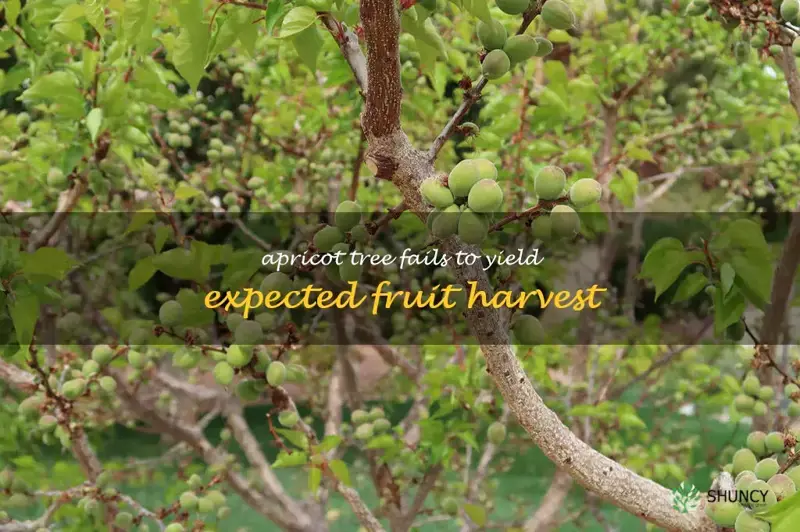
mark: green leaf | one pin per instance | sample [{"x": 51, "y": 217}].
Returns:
[
  {"x": 47, "y": 262},
  {"x": 139, "y": 221},
  {"x": 664, "y": 263},
  {"x": 133, "y": 19},
  {"x": 293, "y": 459},
  {"x": 71, "y": 13},
  {"x": 298, "y": 19},
  {"x": 384, "y": 441},
  {"x": 479, "y": 8},
  {"x": 728, "y": 309},
  {"x": 12, "y": 9},
  {"x": 24, "y": 312},
  {"x": 181, "y": 263},
  {"x": 314, "y": 479},
  {"x": 624, "y": 186},
  {"x": 186, "y": 191},
  {"x": 296, "y": 437},
  {"x": 95, "y": 14},
  {"x": 241, "y": 267},
  {"x": 275, "y": 10},
  {"x": 162, "y": 234},
  {"x": 754, "y": 277},
  {"x": 784, "y": 516},
  {"x": 691, "y": 286},
  {"x": 141, "y": 272},
  {"x": 726, "y": 276},
  {"x": 477, "y": 514},
  {"x": 330, "y": 443},
  {"x": 340, "y": 471},
  {"x": 93, "y": 122},
  {"x": 308, "y": 44}
]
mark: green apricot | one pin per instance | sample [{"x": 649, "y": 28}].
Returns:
[
  {"x": 794, "y": 474},
  {"x": 493, "y": 35},
  {"x": 381, "y": 425},
  {"x": 376, "y": 413},
  {"x": 747, "y": 522},
  {"x": 760, "y": 408},
  {"x": 276, "y": 373},
  {"x": 249, "y": 333},
  {"x": 348, "y": 215},
  {"x": 364, "y": 432},
  {"x": 288, "y": 418},
  {"x": 170, "y": 314},
  {"x": 73, "y": 389},
  {"x": 102, "y": 354},
  {"x": 350, "y": 272},
  {"x": 107, "y": 384},
  {"x": 744, "y": 403},
  {"x": 359, "y": 234},
  {"x": 565, "y": 221},
  {"x": 472, "y": 227},
  {"x": 485, "y": 196},
  {"x": 175, "y": 527},
  {"x": 744, "y": 460},
  {"x": 446, "y": 223},
  {"x": 327, "y": 237},
  {"x": 450, "y": 506},
  {"x": 47, "y": 422},
  {"x": 238, "y": 357},
  {"x": 542, "y": 228},
  {"x": 793, "y": 409},
  {"x": 90, "y": 367},
  {"x": 558, "y": 15},
  {"x": 436, "y": 193},
  {"x": 188, "y": 501},
  {"x": 549, "y": 183},
  {"x": 782, "y": 485},
  {"x": 744, "y": 479},
  {"x": 789, "y": 10},
  {"x": 528, "y": 330},
  {"x": 495, "y": 64},
  {"x": 735, "y": 331},
  {"x": 19, "y": 500},
  {"x": 29, "y": 407},
  {"x": 359, "y": 416},
  {"x": 276, "y": 282},
  {"x": 543, "y": 46},
  {"x": 774, "y": 442},
  {"x": 496, "y": 433},
  {"x": 724, "y": 513},
  {"x": 136, "y": 359},
  {"x": 756, "y": 440},
  {"x": 223, "y": 373},
  {"x": 520, "y": 48},
  {"x": 756, "y": 490},
  {"x": 463, "y": 176},
  {"x": 56, "y": 178},
  {"x": 124, "y": 520},
  {"x": 790, "y": 389},
  {"x": 766, "y": 468},
  {"x": 513, "y": 7},
  {"x": 765, "y": 393},
  {"x": 751, "y": 385},
  {"x": 585, "y": 192}
]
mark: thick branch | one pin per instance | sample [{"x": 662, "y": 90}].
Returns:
[
  {"x": 348, "y": 44},
  {"x": 381, "y": 23},
  {"x": 782, "y": 284}
]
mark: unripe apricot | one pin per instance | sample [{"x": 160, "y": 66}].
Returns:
[
  {"x": 774, "y": 442},
  {"x": 74, "y": 388},
  {"x": 238, "y": 357},
  {"x": 175, "y": 527},
  {"x": 136, "y": 359},
  {"x": 751, "y": 385},
  {"x": 102, "y": 354},
  {"x": 170, "y": 314},
  {"x": 472, "y": 227},
  {"x": 493, "y": 35},
  {"x": 107, "y": 384},
  {"x": 359, "y": 416},
  {"x": 485, "y": 196},
  {"x": 528, "y": 330},
  {"x": 744, "y": 403},
  {"x": 359, "y": 234},
  {"x": 436, "y": 193},
  {"x": 223, "y": 373},
  {"x": 381, "y": 425},
  {"x": 756, "y": 492},
  {"x": 520, "y": 48},
  {"x": 746, "y": 521},
  {"x": 249, "y": 333},
  {"x": 585, "y": 192},
  {"x": 782, "y": 485},
  {"x": 558, "y": 15},
  {"x": 463, "y": 176},
  {"x": 542, "y": 228},
  {"x": 766, "y": 468},
  {"x": 364, "y": 432},
  {"x": 565, "y": 221},
  {"x": 497, "y": 433},
  {"x": 450, "y": 505},
  {"x": 513, "y": 7},
  {"x": 327, "y": 237},
  {"x": 350, "y": 272},
  {"x": 446, "y": 223},
  {"x": 789, "y": 10},
  {"x": 744, "y": 460},
  {"x": 724, "y": 513},
  {"x": 276, "y": 282},
  {"x": 495, "y": 64},
  {"x": 29, "y": 407},
  {"x": 543, "y": 46},
  {"x": 756, "y": 440},
  {"x": 296, "y": 373},
  {"x": 549, "y": 183},
  {"x": 348, "y": 215},
  {"x": 276, "y": 373},
  {"x": 188, "y": 500}
]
